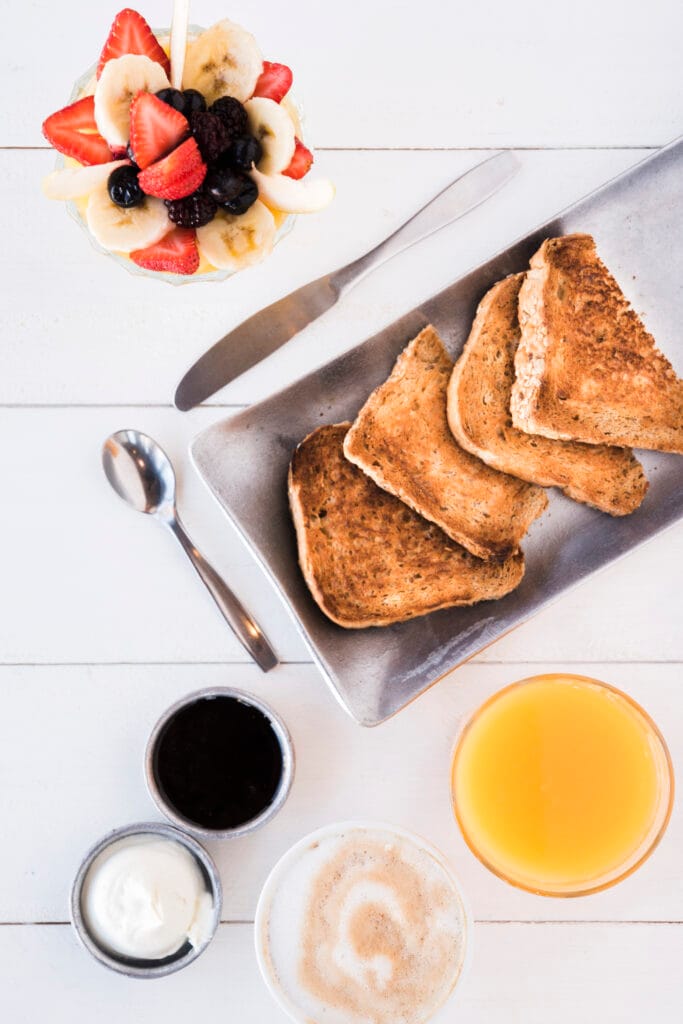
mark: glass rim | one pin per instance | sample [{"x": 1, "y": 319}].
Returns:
[{"x": 654, "y": 834}]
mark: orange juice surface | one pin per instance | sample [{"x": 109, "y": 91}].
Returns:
[{"x": 560, "y": 783}]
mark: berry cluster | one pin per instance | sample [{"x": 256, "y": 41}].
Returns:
[{"x": 211, "y": 152}]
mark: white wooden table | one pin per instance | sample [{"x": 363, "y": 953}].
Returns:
[{"x": 102, "y": 623}]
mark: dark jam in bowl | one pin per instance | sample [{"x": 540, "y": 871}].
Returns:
[{"x": 218, "y": 762}]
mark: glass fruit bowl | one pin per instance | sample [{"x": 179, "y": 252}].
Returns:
[
  {"x": 190, "y": 183},
  {"x": 284, "y": 222}
]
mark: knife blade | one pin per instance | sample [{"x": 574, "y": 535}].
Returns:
[{"x": 266, "y": 331}]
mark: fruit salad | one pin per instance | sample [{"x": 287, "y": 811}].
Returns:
[{"x": 184, "y": 152}]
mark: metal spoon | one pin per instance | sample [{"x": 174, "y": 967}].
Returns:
[{"x": 141, "y": 473}]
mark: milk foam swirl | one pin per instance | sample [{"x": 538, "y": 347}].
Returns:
[{"x": 379, "y": 930}]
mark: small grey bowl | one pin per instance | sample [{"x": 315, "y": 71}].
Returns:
[
  {"x": 135, "y": 968},
  {"x": 281, "y": 794}
]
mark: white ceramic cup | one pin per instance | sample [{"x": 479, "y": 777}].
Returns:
[{"x": 278, "y": 875}]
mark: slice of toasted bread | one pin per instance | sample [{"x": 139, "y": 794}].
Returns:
[
  {"x": 609, "y": 478},
  {"x": 367, "y": 558},
  {"x": 402, "y": 440},
  {"x": 586, "y": 369}
]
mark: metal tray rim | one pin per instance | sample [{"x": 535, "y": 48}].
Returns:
[{"x": 276, "y": 398}]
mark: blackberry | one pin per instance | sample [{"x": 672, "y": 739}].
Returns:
[
  {"x": 234, "y": 191},
  {"x": 232, "y": 114},
  {"x": 194, "y": 102},
  {"x": 124, "y": 187},
  {"x": 193, "y": 211},
  {"x": 211, "y": 135},
  {"x": 243, "y": 151}
]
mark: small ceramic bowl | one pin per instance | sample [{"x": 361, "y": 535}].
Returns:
[
  {"x": 179, "y": 820},
  {"x": 135, "y": 968}
]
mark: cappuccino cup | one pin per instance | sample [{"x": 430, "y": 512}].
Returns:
[{"x": 361, "y": 923}]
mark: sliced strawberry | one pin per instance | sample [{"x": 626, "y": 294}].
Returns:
[
  {"x": 73, "y": 132},
  {"x": 300, "y": 163},
  {"x": 176, "y": 253},
  {"x": 274, "y": 82},
  {"x": 130, "y": 33},
  {"x": 179, "y": 174},
  {"x": 79, "y": 115},
  {"x": 155, "y": 128}
]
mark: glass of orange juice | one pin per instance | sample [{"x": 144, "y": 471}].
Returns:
[{"x": 561, "y": 785}]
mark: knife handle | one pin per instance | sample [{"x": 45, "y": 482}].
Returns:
[{"x": 462, "y": 195}]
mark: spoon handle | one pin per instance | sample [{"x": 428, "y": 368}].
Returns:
[{"x": 238, "y": 618}]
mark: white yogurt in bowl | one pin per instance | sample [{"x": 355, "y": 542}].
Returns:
[{"x": 146, "y": 900}]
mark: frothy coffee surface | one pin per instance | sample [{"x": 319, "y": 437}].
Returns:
[{"x": 364, "y": 925}]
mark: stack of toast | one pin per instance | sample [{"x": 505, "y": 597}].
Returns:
[{"x": 423, "y": 501}]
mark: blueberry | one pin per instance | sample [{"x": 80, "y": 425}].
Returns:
[
  {"x": 247, "y": 196},
  {"x": 173, "y": 97},
  {"x": 223, "y": 184},
  {"x": 124, "y": 187},
  {"x": 243, "y": 152},
  {"x": 194, "y": 102},
  {"x": 234, "y": 191}
]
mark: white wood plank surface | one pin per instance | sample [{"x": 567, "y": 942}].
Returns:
[
  {"x": 103, "y": 625},
  {"x": 388, "y": 73},
  {"x": 72, "y": 748},
  {"x": 558, "y": 973}
]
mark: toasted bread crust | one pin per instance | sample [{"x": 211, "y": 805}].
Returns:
[
  {"x": 586, "y": 369},
  {"x": 611, "y": 479},
  {"x": 402, "y": 440},
  {"x": 367, "y": 558}
]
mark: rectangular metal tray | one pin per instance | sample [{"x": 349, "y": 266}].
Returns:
[{"x": 637, "y": 221}]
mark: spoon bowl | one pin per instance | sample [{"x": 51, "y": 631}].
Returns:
[{"x": 140, "y": 471}]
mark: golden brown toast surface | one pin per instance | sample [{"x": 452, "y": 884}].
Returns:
[
  {"x": 586, "y": 369},
  {"x": 401, "y": 439},
  {"x": 608, "y": 478},
  {"x": 367, "y": 558}
]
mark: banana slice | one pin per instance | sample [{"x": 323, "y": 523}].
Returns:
[
  {"x": 274, "y": 128},
  {"x": 234, "y": 242},
  {"x": 124, "y": 230},
  {"x": 290, "y": 106},
  {"x": 74, "y": 182},
  {"x": 305, "y": 195},
  {"x": 223, "y": 61},
  {"x": 121, "y": 79}
]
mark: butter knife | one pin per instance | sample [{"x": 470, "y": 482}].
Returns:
[{"x": 273, "y": 326}]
